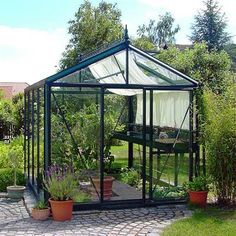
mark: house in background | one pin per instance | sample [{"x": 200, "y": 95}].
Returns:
[{"x": 12, "y": 88}]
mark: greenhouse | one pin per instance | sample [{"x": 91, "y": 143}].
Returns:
[{"x": 123, "y": 120}]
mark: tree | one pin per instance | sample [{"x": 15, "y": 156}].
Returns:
[
  {"x": 211, "y": 69},
  {"x": 144, "y": 43},
  {"x": 160, "y": 32},
  {"x": 91, "y": 28},
  {"x": 210, "y": 26}
]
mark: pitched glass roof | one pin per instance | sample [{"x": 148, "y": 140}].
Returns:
[{"x": 110, "y": 67}]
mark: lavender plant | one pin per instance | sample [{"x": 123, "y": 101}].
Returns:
[{"x": 60, "y": 182}]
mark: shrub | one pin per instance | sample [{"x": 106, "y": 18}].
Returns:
[
  {"x": 3, "y": 155},
  {"x": 169, "y": 192},
  {"x": 130, "y": 176},
  {"x": 16, "y": 143},
  {"x": 199, "y": 183},
  {"x": 220, "y": 140},
  {"x": 7, "y": 178}
]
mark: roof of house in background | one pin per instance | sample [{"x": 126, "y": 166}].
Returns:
[{"x": 12, "y": 88}]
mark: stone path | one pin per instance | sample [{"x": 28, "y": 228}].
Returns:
[{"x": 15, "y": 220}]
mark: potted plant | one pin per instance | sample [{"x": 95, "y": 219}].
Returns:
[
  {"x": 40, "y": 211},
  {"x": 107, "y": 186},
  {"x": 198, "y": 190},
  {"x": 15, "y": 192},
  {"x": 61, "y": 184}
]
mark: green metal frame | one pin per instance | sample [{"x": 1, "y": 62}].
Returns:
[{"x": 54, "y": 82}]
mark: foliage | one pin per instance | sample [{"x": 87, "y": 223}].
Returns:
[
  {"x": 130, "y": 176},
  {"x": 87, "y": 133},
  {"x": 3, "y": 155},
  {"x": 220, "y": 139},
  {"x": 12, "y": 113},
  {"x": 207, "y": 222},
  {"x": 18, "y": 113},
  {"x": 159, "y": 32},
  {"x": 210, "y": 26},
  {"x": 211, "y": 69},
  {"x": 169, "y": 192},
  {"x": 62, "y": 148},
  {"x": 16, "y": 143},
  {"x": 7, "y": 178},
  {"x": 15, "y": 158},
  {"x": 40, "y": 205},
  {"x": 199, "y": 183},
  {"x": 81, "y": 197},
  {"x": 60, "y": 182},
  {"x": 91, "y": 28},
  {"x": 144, "y": 43}
]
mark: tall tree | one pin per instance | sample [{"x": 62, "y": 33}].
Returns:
[
  {"x": 160, "y": 32},
  {"x": 91, "y": 28},
  {"x": 210, "y": 26}
]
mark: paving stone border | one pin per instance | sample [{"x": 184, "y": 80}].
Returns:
[{"x": 15, "y": 220}]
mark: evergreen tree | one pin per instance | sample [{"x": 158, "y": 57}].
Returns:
[
  {"x": 210, "y": 26},
  {"x": 91, "y": 28}
]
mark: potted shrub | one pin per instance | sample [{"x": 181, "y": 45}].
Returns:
[
  {"x": 61, "y": 184},
  {"x": 198, "y": 190},
  {"x": 15, "y": 192},
  {"x": 40, "y": 211}
]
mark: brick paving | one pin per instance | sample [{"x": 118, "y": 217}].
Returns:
[{"x": 15, "y": 220}]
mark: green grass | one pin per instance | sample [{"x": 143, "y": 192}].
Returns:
[
  {"x": 121, "y": 160},
  {"x": 209, "y": 222}
]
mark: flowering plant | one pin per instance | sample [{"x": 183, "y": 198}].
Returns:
[{"x": 60, "y": 182}]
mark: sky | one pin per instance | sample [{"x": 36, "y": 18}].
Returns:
[{"x": 34, "y": 33}]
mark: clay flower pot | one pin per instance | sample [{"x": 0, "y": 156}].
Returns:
[
  {"x": 198, "y": 198},
  {"x": 107, "y": 186},
  {"x": 61, "y": 210},
  {"x": 40, "y": 214}
]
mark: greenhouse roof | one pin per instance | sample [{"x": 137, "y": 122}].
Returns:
[{"x": 120, "y": 65}]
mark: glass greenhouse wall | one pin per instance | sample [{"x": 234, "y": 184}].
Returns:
[{"x": 123, "y": 120}]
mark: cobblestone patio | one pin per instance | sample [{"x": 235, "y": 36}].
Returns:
[{"x": 15, "y": 220}]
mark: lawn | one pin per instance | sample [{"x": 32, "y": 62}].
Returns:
[
  {"x": 121, "y": 160},
  {"x": 210, "y": 222}
]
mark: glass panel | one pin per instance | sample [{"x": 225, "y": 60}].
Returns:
[
  {"x": 122, "y": 179},
  {"x": 167, "y": 138},
  {"x": 152, "y": 73},
  {"x": 76, "y": 137},
  {"x": 109, "y": 70}
]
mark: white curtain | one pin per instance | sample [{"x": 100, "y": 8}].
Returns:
[{"x": 169, "y": 108}]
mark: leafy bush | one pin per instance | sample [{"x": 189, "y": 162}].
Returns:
[
  {"x": 169, "y": 192},
  {"x": 3, "y": 155},
  {"x": 199, "y": 183},
  {"x": 130, "y": 176},
  {"x": 7, "y": 178},
  {"x": 220, "y": 139},
  {"x": 16, "y": 143}
]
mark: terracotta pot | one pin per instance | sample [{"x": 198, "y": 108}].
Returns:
[
  {"x": 61, "y": 210},
  {"x": 198, "y": 198},
  {"x": 40, "y": 214},
  {"x": 107, "y": 186},
  {"x": 15, "y": 192}
]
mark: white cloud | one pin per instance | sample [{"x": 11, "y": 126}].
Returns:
[{"x": 29, "y": 55}]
